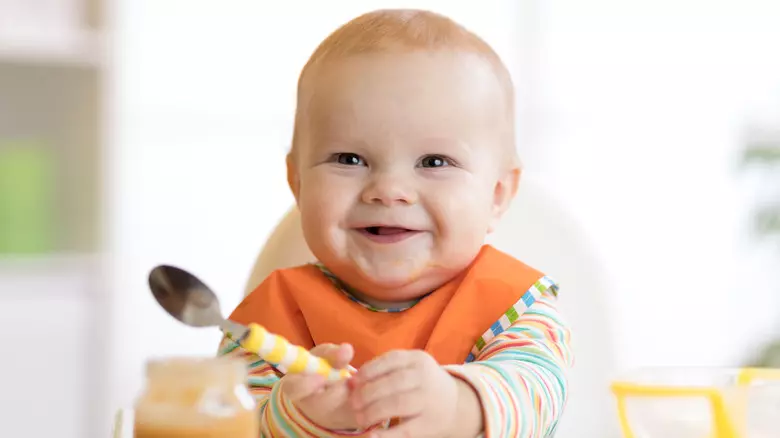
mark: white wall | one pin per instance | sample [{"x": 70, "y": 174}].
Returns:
[
  {"x": 644, "y": 103},
  {"x": 202, "y": 114}
]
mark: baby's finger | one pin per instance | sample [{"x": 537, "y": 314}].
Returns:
[
  {"x": 402, "y": 380},
  {"x": 299, "y": 386},
  {"x": 333, "y": 394},
  {"x": 398, "y": 405},
  {"x": 343, "y": 356},
  {"x": 412, "y": 427},
  {"x": 338, "y": 356},
  {"x": 323, "y": 350},
  {"x": 385, "y": 364}
]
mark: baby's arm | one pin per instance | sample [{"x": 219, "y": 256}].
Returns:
[
  {"x": 520, "y": 375},
  {"x": 278, "y": 417}
]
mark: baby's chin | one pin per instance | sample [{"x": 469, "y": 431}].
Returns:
[
  {"x": 389, "y": 293},
  {"x": 392, "y": 273},
  {"x": 399, "y": 283}
]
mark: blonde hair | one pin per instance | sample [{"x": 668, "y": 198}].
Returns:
[{"x": 389, "y": 30}]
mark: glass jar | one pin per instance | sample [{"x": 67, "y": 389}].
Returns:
[{"x": 196, "y": 398}]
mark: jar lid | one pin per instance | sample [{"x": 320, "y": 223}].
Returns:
[{"x": 207, "y": 370}]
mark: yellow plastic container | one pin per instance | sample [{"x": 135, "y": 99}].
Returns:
[{"x": 699, "y": 403}]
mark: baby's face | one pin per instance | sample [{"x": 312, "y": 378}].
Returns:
[{"x": 398, "y": 166}]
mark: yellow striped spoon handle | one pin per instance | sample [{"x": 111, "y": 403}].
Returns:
[{"x": 286, "y": 357}]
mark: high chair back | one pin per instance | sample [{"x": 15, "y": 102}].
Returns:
[{"x": 538, "y": 230}]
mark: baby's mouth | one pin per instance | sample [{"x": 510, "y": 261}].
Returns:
[
  {"x": 386, "y": 231},
  {"x": 383, "y": 234}
]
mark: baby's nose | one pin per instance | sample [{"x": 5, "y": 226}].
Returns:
[{"x": 389, "y": 190}]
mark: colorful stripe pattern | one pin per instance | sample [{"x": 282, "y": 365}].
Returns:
[
  {"x": 518, "y": 368},
  {"x": 544, "y": 285},
  {"x": 340, "y": 285}
]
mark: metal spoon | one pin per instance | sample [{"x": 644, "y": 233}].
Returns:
[{"x": 189, "y": 300}]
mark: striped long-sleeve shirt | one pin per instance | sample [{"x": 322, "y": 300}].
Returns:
[{"x": 518, "y": 372}]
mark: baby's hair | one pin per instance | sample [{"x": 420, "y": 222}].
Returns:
[{"x": 401, "y": 30}]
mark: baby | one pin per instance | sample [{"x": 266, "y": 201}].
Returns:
[{"x": 403, "y": 160}]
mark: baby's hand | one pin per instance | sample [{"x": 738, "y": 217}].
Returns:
[
  {"x": 410, "y": 386},
  {"x": 324, "y": 403}
]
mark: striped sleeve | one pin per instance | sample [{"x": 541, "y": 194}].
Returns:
[
  {"x": 520, "y": 374},
  {"x": 279, "y": 418}
]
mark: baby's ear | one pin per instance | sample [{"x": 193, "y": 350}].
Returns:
[
  {"x": 504, "y": 193},
  {"x": 293, "y": 180}
]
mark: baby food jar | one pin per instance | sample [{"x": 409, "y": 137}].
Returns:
[{"x": 196, "y": 398}]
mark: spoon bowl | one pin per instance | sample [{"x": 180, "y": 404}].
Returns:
[{"x": 185, "y": 297}]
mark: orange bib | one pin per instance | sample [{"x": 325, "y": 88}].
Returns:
[{"x": 304, "y": 306}]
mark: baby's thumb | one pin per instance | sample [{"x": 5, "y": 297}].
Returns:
[
  {"x": 297, "y": 387},
  {"x": 338, "y": 356}
]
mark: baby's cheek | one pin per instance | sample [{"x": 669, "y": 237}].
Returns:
[
  {"x": 319, "y": 206},
  {"x": 458, "y": 222},
  {"x": 462, "y": 238}
]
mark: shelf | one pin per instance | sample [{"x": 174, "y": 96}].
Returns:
[
  {"x": 57, "y": 114},
  {"x": 81, "y": 49}
]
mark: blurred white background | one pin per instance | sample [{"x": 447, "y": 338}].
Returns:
[{"x": 159, "y": 129}]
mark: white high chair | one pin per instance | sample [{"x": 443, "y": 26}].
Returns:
[{"x": 538, "y": 230}]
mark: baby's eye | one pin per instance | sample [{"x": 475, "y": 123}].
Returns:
[
  {"x": 435, "y": 161},
  {"x": 349, "y": 159}
]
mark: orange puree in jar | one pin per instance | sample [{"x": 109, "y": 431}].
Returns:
[{"x": 196, "y": 398}]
